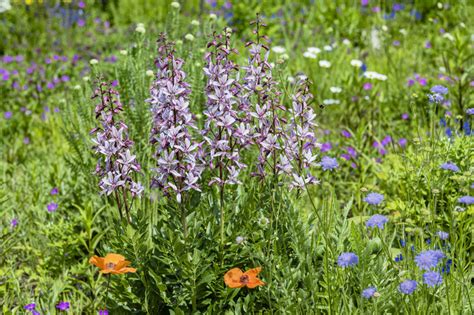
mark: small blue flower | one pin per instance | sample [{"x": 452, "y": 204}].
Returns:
[
  {"x": 428, "y": 259},
  {"x": 398, "y": 258},
  {"x": 374, "y": 198},
  {"x": 467, "y": 200},
  {"x": 377, "y": 220},
  {"x": 449, "y": 167},
  {"x": 347, "y": 260},
  {"x": 435, "y": 98},
  {"x": 428, "y": 241},
  {"x": 470, "y": 111},
  {"x": 369, "y": 292},
  {"x": 329, "y": 163},
  {"x": 439, "y": 89},
  {"x": 30, "y": 307},
  {"x": 442, "y": 235},
  {"x": 449, "y": 132},
  {"x": 408, "y": 286},
  {"x": 432, "y": 278}
]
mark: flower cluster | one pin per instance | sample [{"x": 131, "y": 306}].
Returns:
[
  {"x": 225, "y": 133},
  {"x": 347, "y": 260},
  {"x": 376, "y": 220},
  {"x": 177, "y": 153},
  {"x": 437, "y": 94},
  {"x": 117, "y": 165},
  {"x": 429, "y": 259}
]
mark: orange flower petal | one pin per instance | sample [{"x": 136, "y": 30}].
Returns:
[
  {"x": 122, "y": 264},
  {"x": 97, "y": 261},
  {"x": 253, "y": 272},
  {"x": 113, "y": 258},
  {"x": 254, "y": 282},
  {"x": 232, "y": 278}
]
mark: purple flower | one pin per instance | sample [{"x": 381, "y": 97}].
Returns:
[
  {"x": 377, "y": 220},
  {"x": 178, "y": 156},
  {"x": 435, "y": 98},
  {"x": 407, "y": 286},
  {"x": 26, "y": 140},
  {"x": 326, "y": 146},
  {"x": 428, "y": 44},
  {"x": 117, "y": 164},
  {"x": 442, "y": 235},
  {"x": 13, "y": 222},
  {"x": 386, "y": 140},
  {"x": 8, "y": 115},
  {"x": 63, "y": 306},
  {"x": 450, "y": 167},
  {"x": 367, "y": 86},
  {"x": 347, "y": 260},
  {"x": 396, "y": 43},
  {"x": 402, "y": 142},
  {"x": 329, "y": 163},
  {"x": 30, "y": 307},
  {"x": 422, "y": 81},
  {"x": 81, "y": 22},
  {"x": 103, "y": 312},
  {"x": 432, "y": 278},
  {"x": 52, "y": 207},
  {"x": 428, "y": 259},
  {"x": 54, "y": 191},
  {"x": 439, "y": 89},
  {"x": 346, "y": 134},
  {"x": 81, "y": 4},
  {"x": 374, "y": 198},
  {"x": 470, "y": 111},
  {"x": 467, "y": 200},
  {"x": 369, "y": 292},
  {"x": 405, "y": 116},
  {"x": 364, "y": 2}
]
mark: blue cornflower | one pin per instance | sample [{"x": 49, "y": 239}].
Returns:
[
  {"x": 439, "y": 89},
  {"x": 435, "y": 98},
  {"x": 52, "y": 207},
  {"x": 470, "y": 111},
  {"x": 369, "y": 292},
  {"x": 428, "y": 241},
  {"x": 347, "y": 260},
  {"x": 399, "y": 258},
  {"x": 374, "y": 198},
  {"x": 447, "y": 267},
  {"x": 432, "y": 278},
  {"x": 377, "y": 220},
  {"x": 403, "y": 243},
  {"x": 449, "y": 167},
  {"x": 449, "y": 132},
  {"x": 408, "y": 286},
  {"x": 329, "y": 163},
  {"x": 428, "y": 259},
  {"x": 467, "y": 200},
  {"x": 467, "y": 128},
  {"x": 63, "y": 306},
  {"x": 442, "y": 235}
]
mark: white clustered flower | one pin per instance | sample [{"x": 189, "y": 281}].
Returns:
[
  {"x": 123, "y": 52},
  {"x": 324, "y": 64},
  {"x": 86, "y": 78},
  {"x": 335, "y": 89},
  {"x": 291, "y": 79},
  {"x": 279, "y": 50},
  {"x": 175, "y": 5},
  {"x": 140, "y": 28},
  {"x": 308, "y": 54},
  {"x": 384, "y": 28},
  {"x": 346, "y": 42},
  {"x": 77, "y": 87},
  {"x": 331, "y": 101},
  {"x": 93, "y": 61},
  {"x": 314, "y": 50},
  {"x": 5, "y": 5},
  {"x": 285, "y": 57},
  {"x": 149, "y": 73},
  {"x": 239, "y": 240},
  {"x": 375, "y": 39},
  {"x": 212, "y": 16},
  {"x": 448, "y": 36},
  {"x": 327, "y": 48},
  {"x": 189, "y": 37},
  {"x": 403, "y": 31},
  {"x": 179, "y": 42},
  {"x": 195, "y": 22},
  {"x": 356, "y": 63},
  {"x": 375, "y": 75}
]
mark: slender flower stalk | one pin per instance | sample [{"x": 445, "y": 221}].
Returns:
[
  {"x": 225, "y": 132},
  {"x": 117, "y": 165}
]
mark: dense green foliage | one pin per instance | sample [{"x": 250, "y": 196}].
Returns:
[{"x": 296, "y": 236}]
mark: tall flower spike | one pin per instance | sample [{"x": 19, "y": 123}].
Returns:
[
  {"x": 261, "y": 99},
  {"x": 117, "y": 165},
  {"x": 177, "y": 154},
  {"x": 300, "y": 140},
  {"x": 225, "y": 131}
]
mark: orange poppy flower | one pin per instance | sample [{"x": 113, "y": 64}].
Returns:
[
  {"x": 112, "y": 263},
  {"x": 235, "y": 278}
]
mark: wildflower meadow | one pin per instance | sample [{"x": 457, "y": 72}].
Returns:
[{"x": 237, "y": 157}]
